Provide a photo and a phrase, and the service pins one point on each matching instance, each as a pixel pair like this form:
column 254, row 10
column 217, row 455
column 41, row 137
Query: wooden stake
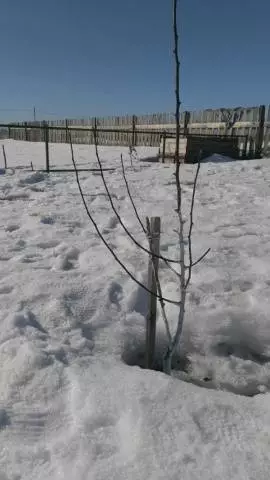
column 152, row 307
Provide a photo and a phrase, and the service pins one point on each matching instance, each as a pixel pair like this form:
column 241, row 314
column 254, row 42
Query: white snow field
column 74, row 404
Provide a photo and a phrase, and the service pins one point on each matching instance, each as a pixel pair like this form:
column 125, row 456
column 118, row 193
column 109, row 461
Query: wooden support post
column 67, row 135
column 134, row 135
column 46, row 140
column 260, row 132
column 152, row 307
column 186, row 122
column 164, row 147
column 25, row 132
column 5, row 157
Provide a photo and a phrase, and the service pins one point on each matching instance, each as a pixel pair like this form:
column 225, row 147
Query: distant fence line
column 145, row 130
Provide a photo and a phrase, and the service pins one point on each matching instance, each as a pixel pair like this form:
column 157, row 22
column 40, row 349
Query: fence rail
column 145, row 130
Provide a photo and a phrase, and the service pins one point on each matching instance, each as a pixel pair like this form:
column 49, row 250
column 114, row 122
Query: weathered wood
column 4, row 155
column 152, row 306
column 25, row 132
column 134, row 135
column 163, row 147
column 67, row 136
column 186, row 122
column 68, row 170
column 121, row 131
column 260, row 132
column 46, row 139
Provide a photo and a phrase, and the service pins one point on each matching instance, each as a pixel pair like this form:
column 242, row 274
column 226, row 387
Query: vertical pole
column 164, row 147
column 46, row 139
column 4, row 155
column 244, row 154
column 96, row 130
column 260, row 132
column 134, row 136
column 25, row 132
column 9, row 132
column 186, row 122
column 152, row 306
column 34, row 113
column 67, row 136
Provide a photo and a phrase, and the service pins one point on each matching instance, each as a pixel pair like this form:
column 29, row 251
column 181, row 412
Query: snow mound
column 73, row 401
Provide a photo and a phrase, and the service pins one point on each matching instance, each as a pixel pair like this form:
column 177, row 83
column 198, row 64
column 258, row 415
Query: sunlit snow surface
column 72, row 406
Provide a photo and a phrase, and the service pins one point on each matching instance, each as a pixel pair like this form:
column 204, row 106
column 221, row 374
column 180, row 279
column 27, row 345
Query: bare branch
column 131, row 199
column 138, row 216
column 177, row 107
column 147, row 232
column 115, row 210
column 101, row 236
column 191, row 221
column 231, row 116
column 200, row 259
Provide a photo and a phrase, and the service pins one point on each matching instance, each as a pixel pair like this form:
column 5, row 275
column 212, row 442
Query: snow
column 73, row 401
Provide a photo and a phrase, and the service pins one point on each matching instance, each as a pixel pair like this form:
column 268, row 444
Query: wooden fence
column 145, row 130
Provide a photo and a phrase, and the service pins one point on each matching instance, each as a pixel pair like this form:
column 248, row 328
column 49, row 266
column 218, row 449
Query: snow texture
column 73, row 401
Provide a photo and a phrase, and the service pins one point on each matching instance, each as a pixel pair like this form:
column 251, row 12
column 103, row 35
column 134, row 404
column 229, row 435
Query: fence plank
column 260, row 132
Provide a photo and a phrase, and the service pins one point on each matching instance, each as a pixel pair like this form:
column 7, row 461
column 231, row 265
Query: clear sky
column 107, row 57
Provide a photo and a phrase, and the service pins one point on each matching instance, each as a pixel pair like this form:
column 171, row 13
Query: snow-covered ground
column 72, row 403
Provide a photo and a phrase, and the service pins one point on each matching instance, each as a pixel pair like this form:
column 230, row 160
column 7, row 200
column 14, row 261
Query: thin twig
column 200, row 259
column 177, row 107
column 115, row 210
column 131, row 198
column 101, row 236
column 191, row 221
column 138, row 216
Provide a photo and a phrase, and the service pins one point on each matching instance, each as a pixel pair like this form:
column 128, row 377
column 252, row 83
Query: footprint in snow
column 12, row 227
column 66, row 260
column 48, row 244
column 6, row 289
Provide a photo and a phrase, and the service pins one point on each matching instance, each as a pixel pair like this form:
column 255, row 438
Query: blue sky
column 92, row 57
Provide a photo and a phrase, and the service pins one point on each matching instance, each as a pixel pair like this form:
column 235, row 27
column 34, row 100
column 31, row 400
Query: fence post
column 25, row 131
column 67, row 136
column 152, row 306
column 260, row 132
column 46, row 139
column 134, row 135
column 186, row 122
column 164, row 147
column 5, row 157
column 9, row 132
